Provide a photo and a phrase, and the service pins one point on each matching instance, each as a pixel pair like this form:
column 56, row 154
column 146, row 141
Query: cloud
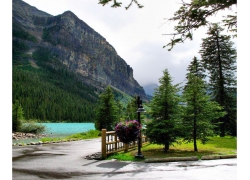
column 136, row 34
column 150, row 59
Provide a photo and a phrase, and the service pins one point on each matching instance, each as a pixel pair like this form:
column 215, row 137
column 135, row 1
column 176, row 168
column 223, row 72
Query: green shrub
column 32, row 127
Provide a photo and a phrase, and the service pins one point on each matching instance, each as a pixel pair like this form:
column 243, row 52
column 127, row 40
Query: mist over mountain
column 150, row 88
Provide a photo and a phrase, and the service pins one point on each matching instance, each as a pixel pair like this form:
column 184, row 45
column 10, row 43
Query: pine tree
column 199, row 112
column 191, row 16
column 120, row 111
column 106, row 113
column 165, row 111
column 218, row 57
column 195, row 14
column 131, row 109
column 17, row 116
column 196, row 68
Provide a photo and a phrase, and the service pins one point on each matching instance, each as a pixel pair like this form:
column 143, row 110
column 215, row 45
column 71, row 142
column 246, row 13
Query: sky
column 136, row 34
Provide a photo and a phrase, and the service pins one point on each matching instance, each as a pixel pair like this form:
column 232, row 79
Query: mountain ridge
column 76, row 45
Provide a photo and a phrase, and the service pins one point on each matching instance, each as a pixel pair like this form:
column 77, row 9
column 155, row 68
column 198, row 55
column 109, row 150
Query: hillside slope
column 61, row 65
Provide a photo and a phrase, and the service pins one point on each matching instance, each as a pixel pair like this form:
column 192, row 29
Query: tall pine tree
column 165, row 112
column 219, row 58
column 199, row 111
column 106, row 113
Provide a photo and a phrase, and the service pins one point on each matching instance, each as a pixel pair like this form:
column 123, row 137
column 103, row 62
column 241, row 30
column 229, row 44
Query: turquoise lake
column 64, row 129
column 61, row 130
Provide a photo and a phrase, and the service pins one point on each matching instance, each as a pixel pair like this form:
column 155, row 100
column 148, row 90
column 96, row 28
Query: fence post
column 116, row 142
column 104, row 153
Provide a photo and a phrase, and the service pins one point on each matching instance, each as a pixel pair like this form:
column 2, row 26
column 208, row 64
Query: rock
column 19, row 135
column 79, row 47
column 95, row 156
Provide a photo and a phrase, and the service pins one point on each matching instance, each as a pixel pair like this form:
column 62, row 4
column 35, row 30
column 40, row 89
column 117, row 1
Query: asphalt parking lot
column 67, row 161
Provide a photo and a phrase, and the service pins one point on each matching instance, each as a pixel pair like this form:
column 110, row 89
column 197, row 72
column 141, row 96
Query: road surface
column 67, row 161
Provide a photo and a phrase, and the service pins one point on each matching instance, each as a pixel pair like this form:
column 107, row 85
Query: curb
column 192, row 158
column 172, row 159
column 218, row 157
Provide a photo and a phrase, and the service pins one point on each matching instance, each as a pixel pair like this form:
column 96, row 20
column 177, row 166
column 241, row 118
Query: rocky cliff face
column 80, row 48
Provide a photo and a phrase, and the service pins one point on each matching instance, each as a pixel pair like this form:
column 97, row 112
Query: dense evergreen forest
column 44, row 100
column 47, row 91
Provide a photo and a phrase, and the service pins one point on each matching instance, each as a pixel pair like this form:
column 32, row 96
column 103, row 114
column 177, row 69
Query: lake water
column 61, row 130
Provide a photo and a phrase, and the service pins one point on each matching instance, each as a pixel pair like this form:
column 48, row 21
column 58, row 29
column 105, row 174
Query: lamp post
column 139, row 110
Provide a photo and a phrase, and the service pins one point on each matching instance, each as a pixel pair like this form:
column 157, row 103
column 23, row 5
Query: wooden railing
column 111, row 143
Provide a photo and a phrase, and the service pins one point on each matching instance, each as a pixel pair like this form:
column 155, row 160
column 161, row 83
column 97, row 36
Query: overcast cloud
column 136, row 34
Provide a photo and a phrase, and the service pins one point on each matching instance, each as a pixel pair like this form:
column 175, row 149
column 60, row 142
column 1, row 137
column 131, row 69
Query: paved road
column 66, row 161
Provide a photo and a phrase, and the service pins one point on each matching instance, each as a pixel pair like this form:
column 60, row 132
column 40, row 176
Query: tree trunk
column 194, row 135
column 221, row 87
column 195, row 146
column 166, row 148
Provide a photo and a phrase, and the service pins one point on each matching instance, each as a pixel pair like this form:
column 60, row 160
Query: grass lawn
column 85, row 135
column 215, row 146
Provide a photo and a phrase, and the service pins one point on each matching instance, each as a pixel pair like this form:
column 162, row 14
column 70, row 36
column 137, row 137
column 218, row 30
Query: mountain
column 80, row 48
column 63, row 55
column 150, row 88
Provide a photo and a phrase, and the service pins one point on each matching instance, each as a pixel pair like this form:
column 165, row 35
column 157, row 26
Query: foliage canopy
column 191, row 16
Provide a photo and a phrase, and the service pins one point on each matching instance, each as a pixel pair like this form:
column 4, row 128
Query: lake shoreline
column 33, row 139
column 22, row 135
column 52, row 130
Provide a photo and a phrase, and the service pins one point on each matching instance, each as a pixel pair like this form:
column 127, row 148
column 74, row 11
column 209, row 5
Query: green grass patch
column 54, row 139
column 215, row 146
column 85, row 135
column 123, row 157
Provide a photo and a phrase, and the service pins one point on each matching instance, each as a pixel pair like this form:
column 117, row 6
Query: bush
column 32, row 127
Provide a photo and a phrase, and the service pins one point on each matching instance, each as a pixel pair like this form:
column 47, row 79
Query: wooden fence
column 111, row 143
